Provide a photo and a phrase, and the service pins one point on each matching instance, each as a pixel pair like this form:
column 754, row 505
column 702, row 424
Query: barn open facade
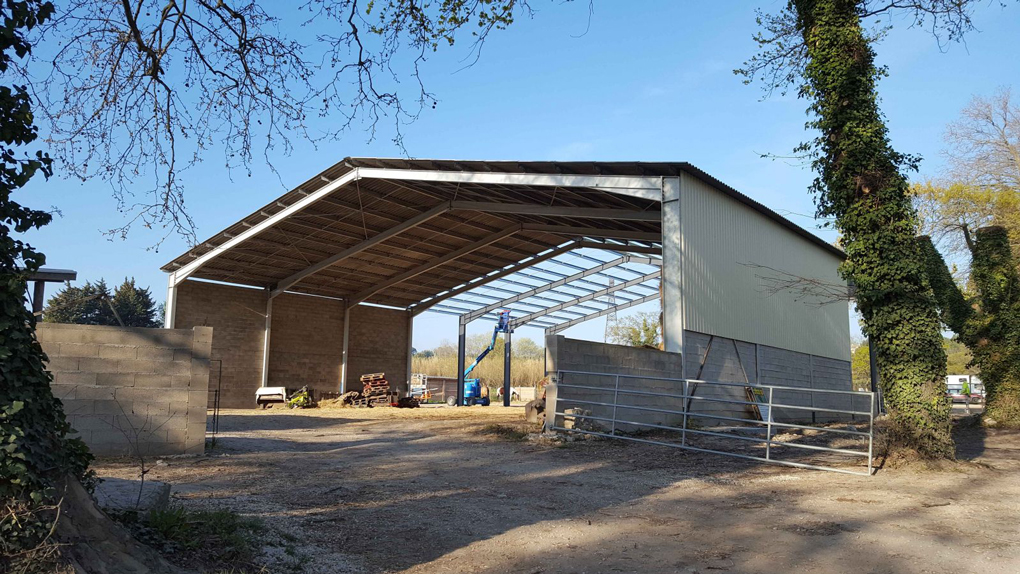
column 323, row 284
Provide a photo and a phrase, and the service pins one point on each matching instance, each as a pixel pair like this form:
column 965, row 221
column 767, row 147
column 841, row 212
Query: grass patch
column 210, row 541
column 505, row 432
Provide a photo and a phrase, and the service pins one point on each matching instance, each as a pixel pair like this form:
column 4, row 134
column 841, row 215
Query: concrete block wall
column 564, row 354
column 732, row 361
column 306, row 341
column 379, row 344
column 710, row 359
column 723, row 360
column 306, row 344
column 237, row 317
column 130, row 391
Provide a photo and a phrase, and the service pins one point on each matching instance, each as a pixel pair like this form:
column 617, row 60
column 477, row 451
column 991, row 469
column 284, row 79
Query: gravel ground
column 424, row 490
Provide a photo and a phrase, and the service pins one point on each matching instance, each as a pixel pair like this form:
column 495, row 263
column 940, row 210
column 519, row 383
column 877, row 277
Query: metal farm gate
column 792, row 426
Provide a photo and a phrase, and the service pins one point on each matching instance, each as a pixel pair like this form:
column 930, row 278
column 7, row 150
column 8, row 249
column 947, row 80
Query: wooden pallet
column 373, row 377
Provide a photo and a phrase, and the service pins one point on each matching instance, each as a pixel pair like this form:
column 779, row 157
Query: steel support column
column 507, row 353
column 265, row 340
column 461, row 363
column 170, row 309
column 38, row 296
column 410, row 348
column 672, row 257
column 343, row 353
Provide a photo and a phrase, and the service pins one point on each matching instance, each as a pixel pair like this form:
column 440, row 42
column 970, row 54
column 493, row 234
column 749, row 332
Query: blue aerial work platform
column 472, row 390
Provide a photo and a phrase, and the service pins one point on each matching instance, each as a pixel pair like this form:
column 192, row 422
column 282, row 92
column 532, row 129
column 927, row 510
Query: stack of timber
column 375, row 392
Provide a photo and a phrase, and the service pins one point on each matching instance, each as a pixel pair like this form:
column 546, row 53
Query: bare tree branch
column 808, row 290
column 136, row 92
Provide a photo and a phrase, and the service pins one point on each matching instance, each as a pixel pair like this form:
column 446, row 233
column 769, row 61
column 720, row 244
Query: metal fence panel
column 622, row 406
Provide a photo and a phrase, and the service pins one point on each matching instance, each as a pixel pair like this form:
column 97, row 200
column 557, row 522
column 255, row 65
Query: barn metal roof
column 463, row 231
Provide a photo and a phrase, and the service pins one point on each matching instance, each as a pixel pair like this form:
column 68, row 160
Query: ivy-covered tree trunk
column 953, row 306
column 994, row 331
column 990, row 323
column 860, row 183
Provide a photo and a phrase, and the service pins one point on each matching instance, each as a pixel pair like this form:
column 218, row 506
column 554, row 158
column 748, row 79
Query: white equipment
column 267, row 395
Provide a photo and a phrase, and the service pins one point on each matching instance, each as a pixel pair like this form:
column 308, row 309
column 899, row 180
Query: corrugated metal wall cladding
column 724, row 295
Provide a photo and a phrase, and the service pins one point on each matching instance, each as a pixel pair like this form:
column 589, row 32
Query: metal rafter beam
column 374, row 240
column 441, row 309
column 526, row 304
column 484, row 242
column 528, row 318
column 625, row 248
column 593, row 232
column 620, row 307
column 508, row 270
column 639, row 186
column 557, row 211
column 546, row 287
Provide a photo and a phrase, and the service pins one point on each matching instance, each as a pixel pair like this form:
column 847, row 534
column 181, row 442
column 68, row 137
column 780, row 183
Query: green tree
column 135, row 306
column 85, row 305
column 959, row 358
column 860, row 366
column 93, row 304
column 523, row 347
column 526, row 348
column 822, row 47
column 37, row 451
column 637, row 330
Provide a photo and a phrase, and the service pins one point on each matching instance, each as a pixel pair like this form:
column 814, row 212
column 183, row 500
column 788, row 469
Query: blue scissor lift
column 473, row 387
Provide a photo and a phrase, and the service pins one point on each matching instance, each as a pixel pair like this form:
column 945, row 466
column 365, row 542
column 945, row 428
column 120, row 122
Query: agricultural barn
column 323, row 284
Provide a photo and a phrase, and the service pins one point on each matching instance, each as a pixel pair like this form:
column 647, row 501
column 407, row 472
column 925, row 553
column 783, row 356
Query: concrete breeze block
column 117, row 352
column 160, row 354
column 115, row 379
column 153, row 381
column 58, row 364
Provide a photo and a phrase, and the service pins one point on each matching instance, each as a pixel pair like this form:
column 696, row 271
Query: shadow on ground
column 437, row 496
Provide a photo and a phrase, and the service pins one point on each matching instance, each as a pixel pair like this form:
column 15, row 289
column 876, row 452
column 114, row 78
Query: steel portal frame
column 539, row 317
column 656, row 188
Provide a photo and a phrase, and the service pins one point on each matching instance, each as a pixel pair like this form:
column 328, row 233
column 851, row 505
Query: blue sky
column 648, row 81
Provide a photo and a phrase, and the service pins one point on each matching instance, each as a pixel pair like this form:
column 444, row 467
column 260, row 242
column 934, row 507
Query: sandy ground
column 395, row 490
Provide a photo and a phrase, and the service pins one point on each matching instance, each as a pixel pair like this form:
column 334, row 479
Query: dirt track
column 421, row 490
